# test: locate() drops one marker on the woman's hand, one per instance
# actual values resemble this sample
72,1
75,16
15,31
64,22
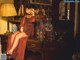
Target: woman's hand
21,29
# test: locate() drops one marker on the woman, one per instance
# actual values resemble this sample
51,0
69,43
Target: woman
26,30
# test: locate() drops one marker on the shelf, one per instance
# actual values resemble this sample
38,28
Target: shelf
17,21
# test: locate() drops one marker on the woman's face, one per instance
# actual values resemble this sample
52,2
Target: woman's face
30,11
27,10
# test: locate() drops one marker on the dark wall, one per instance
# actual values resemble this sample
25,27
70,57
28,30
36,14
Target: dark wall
66,25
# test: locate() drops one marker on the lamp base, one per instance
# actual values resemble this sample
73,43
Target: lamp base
7,33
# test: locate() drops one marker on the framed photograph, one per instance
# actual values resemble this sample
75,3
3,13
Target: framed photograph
64,10
61,10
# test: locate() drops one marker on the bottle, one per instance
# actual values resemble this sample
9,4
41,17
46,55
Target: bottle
14,28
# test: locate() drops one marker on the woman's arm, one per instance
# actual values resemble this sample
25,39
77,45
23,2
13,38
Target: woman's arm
22,23
21,29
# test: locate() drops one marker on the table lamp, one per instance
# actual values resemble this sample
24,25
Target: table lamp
7,10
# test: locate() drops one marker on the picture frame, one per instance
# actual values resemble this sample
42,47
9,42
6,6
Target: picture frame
41,2
64,10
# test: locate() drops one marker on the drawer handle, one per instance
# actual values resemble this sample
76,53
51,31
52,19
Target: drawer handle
33,45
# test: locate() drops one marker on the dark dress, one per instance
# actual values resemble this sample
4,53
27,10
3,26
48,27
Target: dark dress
28,25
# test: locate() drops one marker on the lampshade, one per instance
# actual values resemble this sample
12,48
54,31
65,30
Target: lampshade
7,10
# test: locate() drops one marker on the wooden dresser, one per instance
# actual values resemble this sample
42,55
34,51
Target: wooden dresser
35,49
